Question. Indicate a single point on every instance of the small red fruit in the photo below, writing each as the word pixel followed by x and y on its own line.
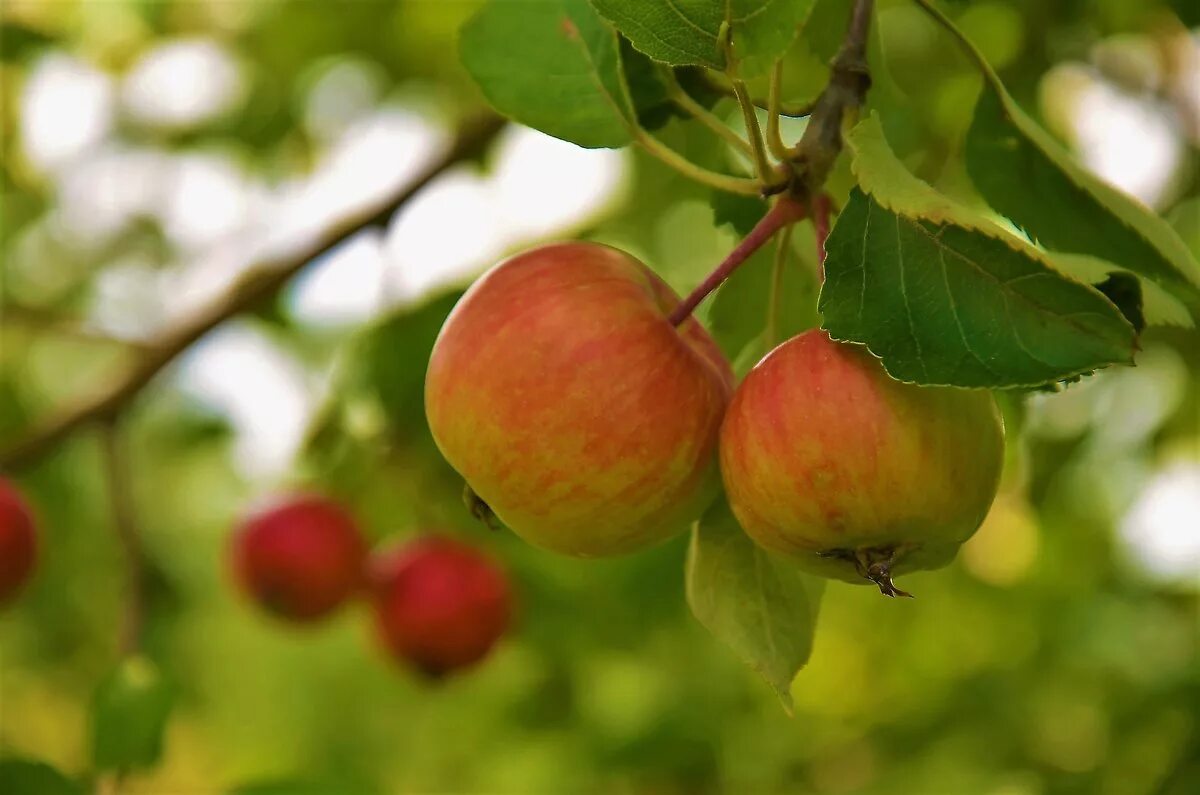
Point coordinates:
pixel 439 604
pixel 300 557
pixel 18 541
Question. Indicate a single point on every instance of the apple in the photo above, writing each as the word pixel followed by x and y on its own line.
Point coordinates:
pixel 18 541
pixel 574 409
pixel 855 475
pixel 300 556
pixel 439 604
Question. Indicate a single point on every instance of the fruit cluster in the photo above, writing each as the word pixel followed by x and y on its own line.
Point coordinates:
pixel 591 425
pixel 438 604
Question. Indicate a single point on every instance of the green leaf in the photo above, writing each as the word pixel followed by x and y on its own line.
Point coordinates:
pixel 376 406
pixel 741 213
pixel 129 716
pixel 392 357
pixel 944 297
pixel 29 777
pixel 553 65
pixel 758 604
pixel 1026 175
pixel 688 32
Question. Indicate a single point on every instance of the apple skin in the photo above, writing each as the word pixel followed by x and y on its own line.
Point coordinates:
pixel 572 407
pixel 829 460
pixel 18 542
pixel 439 605
pixel 300 557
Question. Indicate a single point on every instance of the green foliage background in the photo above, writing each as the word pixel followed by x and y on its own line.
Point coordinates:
pixel 1043 661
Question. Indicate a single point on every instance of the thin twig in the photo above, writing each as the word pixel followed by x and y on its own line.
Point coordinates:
pixel 815 154
pixel 124 518
pixel 740 185
pixel 702 114
pixel 753 132
pixel 259 282
pixel 776 295
pixel 774 139
pixel 793 110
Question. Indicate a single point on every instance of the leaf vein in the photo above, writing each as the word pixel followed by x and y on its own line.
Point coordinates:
pixel 912 329
pixel 957 319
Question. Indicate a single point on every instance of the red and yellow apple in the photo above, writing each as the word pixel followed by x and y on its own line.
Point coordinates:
pixel 572 406
pixel 439 604
pixel 18 541
pixel 855 475
pixel 300 557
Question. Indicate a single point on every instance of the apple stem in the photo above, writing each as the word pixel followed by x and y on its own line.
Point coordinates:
pixel 880 574
pixel 786 210
pixel 820 217
pixel 876 566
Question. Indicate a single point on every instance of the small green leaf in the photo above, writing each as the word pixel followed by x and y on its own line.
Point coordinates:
pixel 688 32
pixel 554 65
pixel 1026 175
pixel 741 213
pixel 393 354
pixel 129 716
pixel 944 297
pixel 758 604
pixel 29 777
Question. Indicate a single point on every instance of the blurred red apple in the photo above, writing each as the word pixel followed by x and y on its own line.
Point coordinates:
pixel 856 475
pixel 18 542
pixel 439 604
pixel 573 408
pixel 300 556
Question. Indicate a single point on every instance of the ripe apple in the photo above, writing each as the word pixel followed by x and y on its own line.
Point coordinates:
pixel 854 474
pixel 572 407
pixel 299 556
pixel 18 541
pixel 439 604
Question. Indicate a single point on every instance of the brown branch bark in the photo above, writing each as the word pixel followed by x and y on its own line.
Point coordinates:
pixel 259 282
pixel 849 81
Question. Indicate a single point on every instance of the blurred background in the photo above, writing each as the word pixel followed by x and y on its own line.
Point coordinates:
pixel 154 149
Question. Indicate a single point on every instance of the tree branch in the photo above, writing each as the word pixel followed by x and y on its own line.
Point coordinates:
pixel 42 321
pixel 849 81
pixel 812 159
pixel 257 283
